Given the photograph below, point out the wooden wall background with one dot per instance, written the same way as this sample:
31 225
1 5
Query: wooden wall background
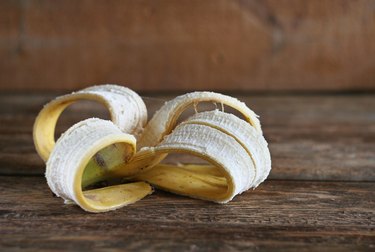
188 45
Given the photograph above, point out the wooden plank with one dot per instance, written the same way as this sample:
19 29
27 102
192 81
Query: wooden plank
188 45
311 137
283 215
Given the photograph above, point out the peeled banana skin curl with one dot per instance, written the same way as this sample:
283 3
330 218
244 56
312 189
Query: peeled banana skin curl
131 152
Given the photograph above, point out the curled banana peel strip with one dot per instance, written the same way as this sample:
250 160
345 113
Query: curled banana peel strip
97 150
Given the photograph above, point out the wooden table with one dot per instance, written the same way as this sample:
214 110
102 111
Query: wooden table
319 196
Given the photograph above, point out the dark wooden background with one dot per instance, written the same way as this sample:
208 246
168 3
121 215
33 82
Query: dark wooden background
188 45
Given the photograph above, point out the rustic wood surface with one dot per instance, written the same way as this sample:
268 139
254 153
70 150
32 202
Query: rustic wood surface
280 215
320 195
188 45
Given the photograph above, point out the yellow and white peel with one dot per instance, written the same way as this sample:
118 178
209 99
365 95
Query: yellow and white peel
94 150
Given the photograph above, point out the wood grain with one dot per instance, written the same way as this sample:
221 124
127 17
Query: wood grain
283 215
188 45
310 137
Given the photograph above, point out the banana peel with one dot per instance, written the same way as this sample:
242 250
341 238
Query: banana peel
130 150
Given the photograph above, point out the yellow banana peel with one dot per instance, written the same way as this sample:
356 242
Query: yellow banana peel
130 151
